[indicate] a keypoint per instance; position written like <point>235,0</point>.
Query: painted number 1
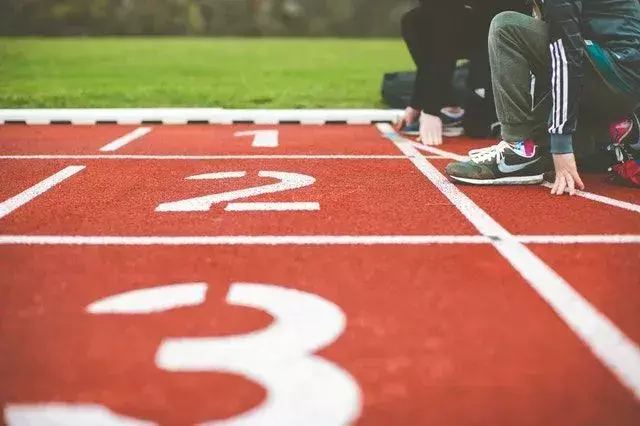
<point>261,138</point>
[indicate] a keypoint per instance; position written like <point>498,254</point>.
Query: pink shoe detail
<point>620,130</point>
<point>529,148</point>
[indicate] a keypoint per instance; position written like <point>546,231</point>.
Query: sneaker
<point>626,173</point>
<point>412,129</point>
<point>549,177</point>
<point>625,147</point>
<point>625,139</point>
<point>626,131</point>
<point>502,164</point>
<point>451,126</point>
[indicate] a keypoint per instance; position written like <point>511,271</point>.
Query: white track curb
<point>138,116</point>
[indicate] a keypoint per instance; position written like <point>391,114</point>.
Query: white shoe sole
<point>453,132</point>
<point>514,180</point>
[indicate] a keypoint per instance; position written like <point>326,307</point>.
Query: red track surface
<point>440,334</point>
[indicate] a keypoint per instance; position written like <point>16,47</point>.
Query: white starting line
<point>126,139</point>
<point>38,189</point>
<point>602,199</point>
<point>306,240</point>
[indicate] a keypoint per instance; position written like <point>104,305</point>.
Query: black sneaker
<point>502,164</point>
<point>412,129</point>
<point>451,127</point>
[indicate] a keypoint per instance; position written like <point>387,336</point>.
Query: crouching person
<point>580,63</point>
<point>435,46</point>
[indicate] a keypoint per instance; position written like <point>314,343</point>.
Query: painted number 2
<point>287,181</point>
<point>302,388</point>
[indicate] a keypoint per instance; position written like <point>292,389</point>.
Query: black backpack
<point>397,87</point>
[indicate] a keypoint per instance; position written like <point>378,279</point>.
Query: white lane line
<point>201,157</point>
<point>272,207</point>
<point>126,139</point>
<point>8,206</point>
<point>578,239</point>
<point>602,199</point>
<point>608,343</point>
<point>276,240</point>
<point>270,240</point>
<point>437,151</point>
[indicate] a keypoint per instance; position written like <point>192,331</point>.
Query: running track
<point>304,275</point>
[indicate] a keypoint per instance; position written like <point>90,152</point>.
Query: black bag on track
<point>397,87</point>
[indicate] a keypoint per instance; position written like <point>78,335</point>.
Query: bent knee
<point>502,20</point>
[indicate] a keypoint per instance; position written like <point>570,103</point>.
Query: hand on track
<point>430,129</point>
<point>567,177</point>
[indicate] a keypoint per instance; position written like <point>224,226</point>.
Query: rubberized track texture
<point>304,275</point>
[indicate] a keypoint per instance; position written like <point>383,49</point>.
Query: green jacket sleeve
<point>566,53</point>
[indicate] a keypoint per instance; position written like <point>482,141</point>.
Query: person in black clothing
<point>437,34</point>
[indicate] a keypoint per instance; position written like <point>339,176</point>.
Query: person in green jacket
<point>575,63</point>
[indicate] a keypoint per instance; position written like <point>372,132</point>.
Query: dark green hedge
<point>202,17</point>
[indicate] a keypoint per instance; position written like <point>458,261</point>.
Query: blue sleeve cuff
<point>561,144</point>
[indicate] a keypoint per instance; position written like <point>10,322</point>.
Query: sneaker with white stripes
<point>503,164</point>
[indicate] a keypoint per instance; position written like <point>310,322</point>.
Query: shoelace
<point>481,151</point>
<point>620,152</point>
<point>487,154</point>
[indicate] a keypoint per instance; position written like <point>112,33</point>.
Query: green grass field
<point>195,72</point>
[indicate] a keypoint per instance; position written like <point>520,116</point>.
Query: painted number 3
<point>302,388</point>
